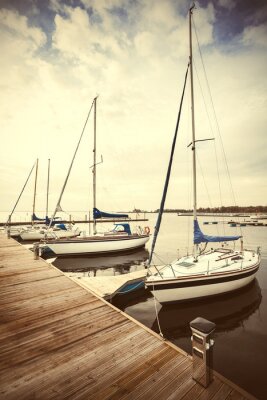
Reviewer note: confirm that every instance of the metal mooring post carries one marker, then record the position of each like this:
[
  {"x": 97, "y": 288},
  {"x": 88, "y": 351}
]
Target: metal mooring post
[
  {"x": 202, "y": 350},
  {"x": 8, "y": 232},
  {"x": 36, "y": 251}
]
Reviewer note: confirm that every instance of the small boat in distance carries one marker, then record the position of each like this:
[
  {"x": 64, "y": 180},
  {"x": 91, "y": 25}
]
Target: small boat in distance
[
  {"x": 45, "y": 231},
  {"x": 204, "y": 273}
]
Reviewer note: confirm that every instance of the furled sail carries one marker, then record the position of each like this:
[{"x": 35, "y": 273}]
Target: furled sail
[
  {"x": 35, "y": 218},
  {"x": 166, "y": 184},
  {"x": 50, "y": 221},
  {"x": 100, "y": 214},
  {"x": 200, "y": 237}
]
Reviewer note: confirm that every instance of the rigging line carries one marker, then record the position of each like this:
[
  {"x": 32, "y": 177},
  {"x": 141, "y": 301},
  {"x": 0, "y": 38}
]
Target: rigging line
[
  {"x": 206, "y": 187},
  {"x": 219, "y": 183},
  {"x": 157, "y": 315},
  {"x": 9, "y": 217},
  {"x": 70, "y": 167},
  {"x": 212, "y": 130},
  {"x": 189, "y": 173},
  {"x": 156, "y": 230},
  {"x": 216, "y": 120},
  {"x": 215, "y": 116},
  {"x": 203, "y": 97}
]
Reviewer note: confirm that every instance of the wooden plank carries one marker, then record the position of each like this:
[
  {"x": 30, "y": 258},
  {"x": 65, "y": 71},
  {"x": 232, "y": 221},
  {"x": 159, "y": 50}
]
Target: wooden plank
[
  {"x": 233, "y": 395},
  {"x": 67, "y": 356},
  {"x": 143, "y": 387},
  {"x": 131, "y": 378},
  {"x": 51, "y": 381},
  {"x": 223, "y": 392},
  {"x": 47, "y": 340},
  {"x": 31, "y": 290},
  {"x": 106, "y": 374},
  {"x": 174, "y": 381},
  {"x": 142, "y": 384},
  {"x": 210, "y": 391},
  {"x": 30, "y": 276},
  {"x": 234, "y": 386},
  {"x": 193, "y": 393},
  {"x": 29, "y": 314}
]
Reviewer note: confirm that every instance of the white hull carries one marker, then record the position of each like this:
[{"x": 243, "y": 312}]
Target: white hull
[
  {"x": 15, "y": 232},
  {"x": 194, "y": 284},
  {"x": 97, "y": 244},
  {"x": 48, "y": 234}
]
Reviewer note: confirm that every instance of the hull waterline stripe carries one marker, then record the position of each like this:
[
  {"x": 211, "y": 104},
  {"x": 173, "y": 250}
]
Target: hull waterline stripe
[
  {"x": 74, "y": 241},
  {"x": 198, "y": 282}
]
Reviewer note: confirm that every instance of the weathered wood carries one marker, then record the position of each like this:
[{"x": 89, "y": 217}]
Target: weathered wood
[{"x": 59, "y": 341}]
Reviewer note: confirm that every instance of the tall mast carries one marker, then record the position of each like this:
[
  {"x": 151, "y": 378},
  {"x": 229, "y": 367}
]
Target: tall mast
[
  {"x": 58, "y": 206},
  {"x": 94, "y": 165},
  {"x": 193, "y": 123},
  {"x": 47, "y": 190},
  {"x": 35, "y": 186}
]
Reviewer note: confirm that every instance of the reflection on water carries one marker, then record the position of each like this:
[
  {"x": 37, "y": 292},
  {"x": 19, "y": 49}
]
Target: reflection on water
[
  {"x": 226, "y": 311},
  {"x": 103, "y": 265}
]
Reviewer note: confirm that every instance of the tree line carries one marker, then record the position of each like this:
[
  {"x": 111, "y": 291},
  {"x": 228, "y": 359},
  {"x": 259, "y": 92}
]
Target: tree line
[{"x": 227, "y": 209}]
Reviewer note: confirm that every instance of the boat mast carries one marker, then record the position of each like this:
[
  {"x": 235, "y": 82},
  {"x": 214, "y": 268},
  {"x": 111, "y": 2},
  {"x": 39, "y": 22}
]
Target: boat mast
[
  {"x": 47, "y": 189},
  {"x": 193, "y": 124},
  {"x": 34, "y": 194},
  {"x": 10, "y": 215},
  {"x": 94, "y": 166},
  {"x": 58, "y": 206}
]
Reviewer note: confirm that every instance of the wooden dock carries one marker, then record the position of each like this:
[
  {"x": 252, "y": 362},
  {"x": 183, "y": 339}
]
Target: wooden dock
[{"x": 58, "y": 340}]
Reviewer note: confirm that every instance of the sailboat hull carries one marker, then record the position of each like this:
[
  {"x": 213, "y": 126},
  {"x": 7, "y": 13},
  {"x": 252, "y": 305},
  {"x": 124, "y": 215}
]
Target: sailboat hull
[
  {"x": 97, "y": 245},
  {"x": 197, "y": 286},
  {"x": 36, "y": 234}
]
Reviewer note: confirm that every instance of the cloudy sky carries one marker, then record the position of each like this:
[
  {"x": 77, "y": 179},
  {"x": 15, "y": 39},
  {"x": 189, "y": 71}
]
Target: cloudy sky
[{"x": 56, "y": 56}]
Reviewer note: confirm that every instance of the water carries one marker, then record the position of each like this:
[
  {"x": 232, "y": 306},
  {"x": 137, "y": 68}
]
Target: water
[{"x": 241, "y": 317}]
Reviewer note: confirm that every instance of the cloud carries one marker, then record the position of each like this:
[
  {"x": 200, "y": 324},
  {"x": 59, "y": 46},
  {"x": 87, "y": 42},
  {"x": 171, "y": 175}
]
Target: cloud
[
  {"x": 134, "y": 54},
  {"x": 228, "y": 4},
  {"x": 255, "y": 36}
]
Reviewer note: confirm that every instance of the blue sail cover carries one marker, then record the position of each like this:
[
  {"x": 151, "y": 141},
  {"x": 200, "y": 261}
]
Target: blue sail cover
[
  {"x": 125, "y": 227},
  {"x": 48, "y": 221},
  {"x": 200, "y": 237},
  {"x": 35, "y": 218},
  {"x": 100, "y": 214}
]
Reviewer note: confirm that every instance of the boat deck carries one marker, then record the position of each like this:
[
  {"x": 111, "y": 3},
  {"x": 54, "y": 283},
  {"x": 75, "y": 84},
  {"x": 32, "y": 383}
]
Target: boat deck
[
  {"x": 210, "y": 263},
  {"x": 58, "y": 340}
]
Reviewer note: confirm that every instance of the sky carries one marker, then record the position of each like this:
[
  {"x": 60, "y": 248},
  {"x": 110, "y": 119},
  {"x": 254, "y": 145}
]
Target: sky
[{"x": 56, "y": 56}]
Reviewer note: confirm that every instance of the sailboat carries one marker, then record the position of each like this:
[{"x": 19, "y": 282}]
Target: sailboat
[
  {"x": 119, "y": 239},
  {"x": 14, "y": 231},
  {"x": 39, "y": 232},
  {"x": 204, "y": 273}
]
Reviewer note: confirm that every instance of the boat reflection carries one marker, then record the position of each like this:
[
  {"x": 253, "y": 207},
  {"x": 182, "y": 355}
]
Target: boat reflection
[
  {"x": 104, "y": 265},
  {"x": 227, "y": 311}
]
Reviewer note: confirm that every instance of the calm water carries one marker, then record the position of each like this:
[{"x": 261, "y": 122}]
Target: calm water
[{"x": 241, "y": 318}]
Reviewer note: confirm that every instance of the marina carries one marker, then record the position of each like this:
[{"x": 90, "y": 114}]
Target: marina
[
  {"x": 240, "y": 317},
  {"x": 142, "y": 106},
  {"x": 59, "y": 340}
]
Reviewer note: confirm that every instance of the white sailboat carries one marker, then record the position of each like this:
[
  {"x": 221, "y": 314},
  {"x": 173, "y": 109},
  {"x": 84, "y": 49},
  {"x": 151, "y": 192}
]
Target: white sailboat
[
  {"x": 204, "y": 273},
  {"x": 119, "y": 239},
  {"x": 39, "y": 232}
]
